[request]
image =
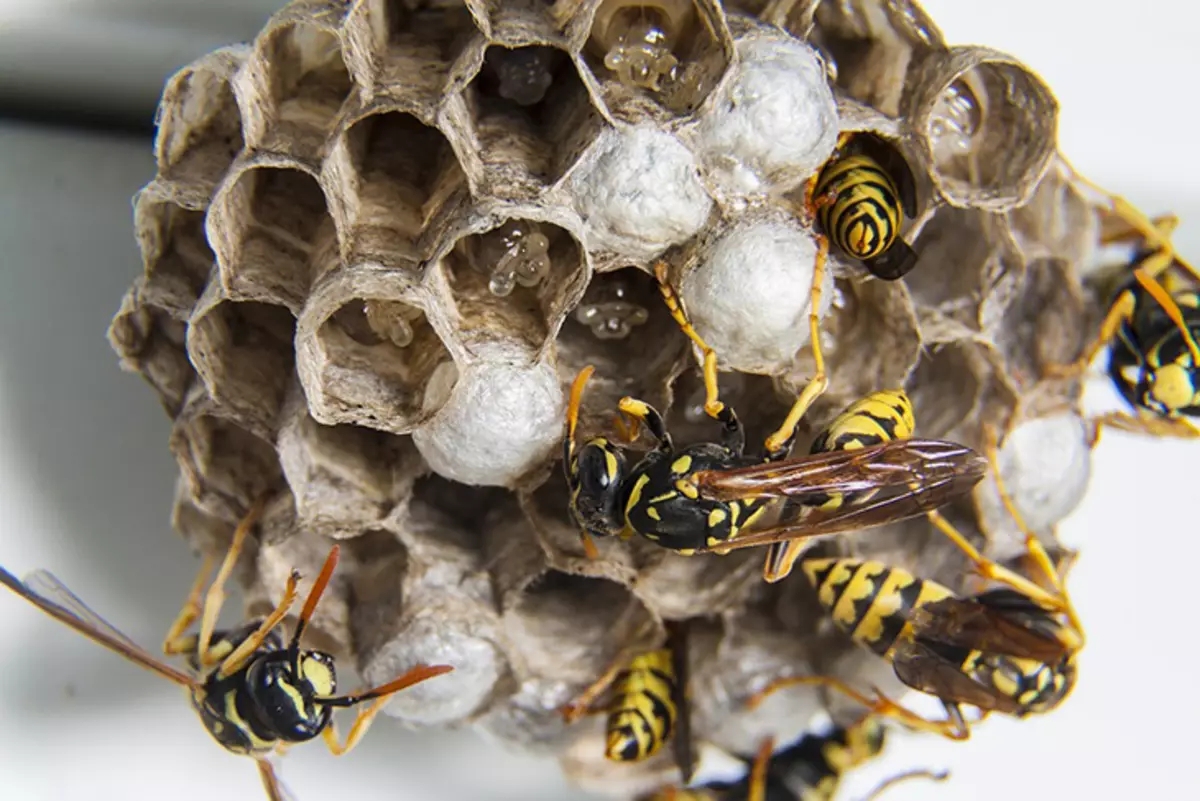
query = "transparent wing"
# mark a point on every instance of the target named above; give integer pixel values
(275, 788)
(50, 595)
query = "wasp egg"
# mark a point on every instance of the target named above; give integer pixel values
(609, 312)
(515, 253)
(750, 297)
(774, 122)
(639, 42)
(639, 192)
(501, 418)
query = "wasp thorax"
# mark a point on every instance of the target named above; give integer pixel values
(610, 312)
(515, 253)
(285, 701)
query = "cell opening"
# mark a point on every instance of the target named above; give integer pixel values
(457, 514)
(407, 170)
(244, 354)
(308, 78)
(176, 255)
(665, 50)
(867, 55)
(417, 45)
(510, 281)
(151, 342)
(380, 356)
(532, 112)
(282, 224)
(226, 467)
(952, 248)
(201, 128)
(944, 389)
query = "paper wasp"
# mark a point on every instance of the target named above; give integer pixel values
(1151, 330)
(649, 704)
(711, 496)
(810, 770)
(1011, 649)
(255, 693)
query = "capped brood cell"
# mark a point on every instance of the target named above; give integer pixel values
(528, 135)
(268, 228)
(512, 280)
(399, 173)
(366, 351)
(670, 52)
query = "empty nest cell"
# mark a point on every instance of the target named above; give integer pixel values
(513, 280)
(152, 342)
(531, 116)
(446, 520)
(670, 52)
(405, 172)
(200, 130)
(407, 45)
(944, 388)
(269, 229)
(175, 254)
(243, 353)
(371, 362)
(305, 81)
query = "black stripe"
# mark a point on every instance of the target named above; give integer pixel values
(894, 623)
(863, 605)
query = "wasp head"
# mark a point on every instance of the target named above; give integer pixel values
(596, 476)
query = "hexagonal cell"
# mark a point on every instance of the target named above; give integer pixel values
(405, 44)
(529, 124)
(869, 45)
(225, 466)
(300, 73)
(446, 521)
(670, 53)
(269, 228)
(608, 329)
(571, 628)
(511, 282)
(944, 388)
(149, 341)
(367, 357)
(558, 535)
(306, 553)
(990, 125)
(243, 354)
(1059, 221)
(175, 254)
(405, 172)
(200, 126)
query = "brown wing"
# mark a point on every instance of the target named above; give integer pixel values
(889, 504)
(897, 463)
(67, 608)
(966, 623)
(681, 743)
(922, 668)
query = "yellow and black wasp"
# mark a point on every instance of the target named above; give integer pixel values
(860, 199)
(865, 471)
(1151, 330)
(255, 693)
(1011, 649)
(649, 704)
(812, 769)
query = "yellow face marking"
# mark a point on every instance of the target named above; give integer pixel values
(610, 464)
(716, 517)
(687, 489)
(681, 465)
(635, 494)
(230, 713)
(653, 514)
(319, 676)
(1171, 385)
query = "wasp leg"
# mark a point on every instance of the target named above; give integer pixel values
(954, 727)
(177, 641)
(757, 785)
(919, 773)
(237, 658)
(1164, 225)
(1120, 311)
(583, 704)
(379, 696)
(270, 782)
(1149, 282)
(712, 401)
(215, 597)
(1148, 424)
(779, 442)
(641, 412)
(362, 722)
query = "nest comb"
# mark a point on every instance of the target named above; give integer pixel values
(385, 235)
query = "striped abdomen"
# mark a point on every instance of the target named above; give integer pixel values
(870, 601)
(643, 712)
(860, 207)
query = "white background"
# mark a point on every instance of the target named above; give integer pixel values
(85, 477)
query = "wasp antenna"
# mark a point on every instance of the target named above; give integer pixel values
(415, 676)
(314, 595)
(576, 398)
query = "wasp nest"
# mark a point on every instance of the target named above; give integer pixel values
(385, 235)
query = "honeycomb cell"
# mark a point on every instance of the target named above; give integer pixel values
(666, 52)
(269, 228)
(306, 552)
(512, 281)
(870, 45)
(200, 126)
(1058, 222)
(175, 254)
(989, 123)
(556, 533)
(526, 146)
(395, 44)
(445, 521)
(302, 81)
(243, 354)
(570, 628)
(682, 587)
(944, 389)
(226, 467)
(151, 342)
(366, 350)
(403, 173)
(202, 531)
(345, 479)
